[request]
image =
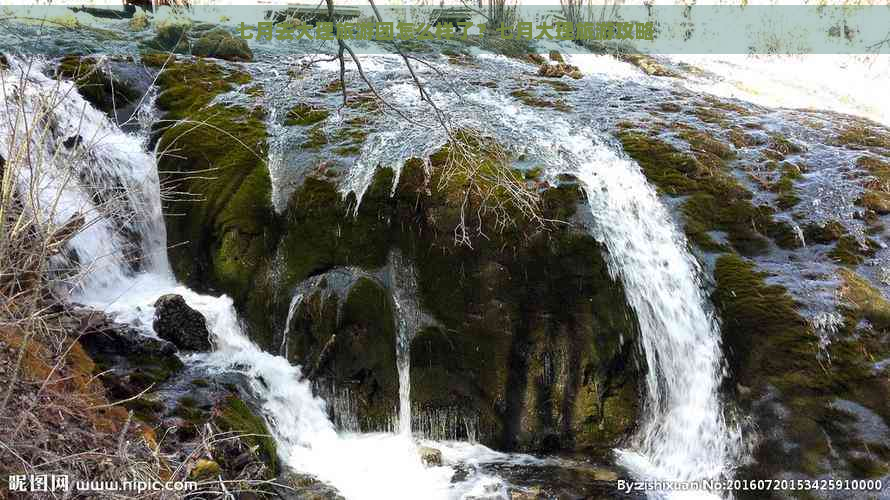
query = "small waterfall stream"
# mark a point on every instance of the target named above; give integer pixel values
(684, 435)
(364, 466)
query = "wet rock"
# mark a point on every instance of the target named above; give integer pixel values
(305, 487)
(73, 141)
(96, 83)
(103, 337)
(221, 44)
(559, 70)
(177, 322)
(430, 457)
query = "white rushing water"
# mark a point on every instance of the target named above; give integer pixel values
(683, 435)
(361, 466)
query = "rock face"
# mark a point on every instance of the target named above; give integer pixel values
(177, 322)
(529, 341)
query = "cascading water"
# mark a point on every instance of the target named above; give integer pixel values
(404, 286)
(369, 466)
(684, 435)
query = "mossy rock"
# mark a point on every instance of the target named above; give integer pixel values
(850, 251)
(773, 351)
(529, 98)
(172, 36)
(233, 415)
(877, 201)
(863, 300)
(351, 345)
(718, 202)
(304, 114)
(221, 44)
(221, 225)
(475, 364)
(862, 134)
(98, 87)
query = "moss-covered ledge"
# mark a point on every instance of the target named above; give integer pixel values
(221, 226)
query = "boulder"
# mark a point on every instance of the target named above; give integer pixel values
(559, 70)
(222, 45)
(102, 337)
(177, 322)
(430, 457)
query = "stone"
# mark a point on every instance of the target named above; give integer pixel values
(177, 322)
(205, 469)
(559, 70)
(222, 45)
(139, 21)
(103, 337)
(430, 457)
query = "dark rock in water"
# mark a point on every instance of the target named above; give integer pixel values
(177, 322)
(131, 362)
(73, 141)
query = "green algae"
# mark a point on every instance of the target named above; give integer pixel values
(527, 97)
(305, 114)
(717, 201)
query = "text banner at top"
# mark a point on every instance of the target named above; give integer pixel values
(656, 29)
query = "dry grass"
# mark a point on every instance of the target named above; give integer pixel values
(477, 171)
(55, 418)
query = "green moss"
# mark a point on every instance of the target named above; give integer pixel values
(741, 139)
(235, 416)
(172, 36)
(304, 114)
(784, 147)
(221, 225)
(718, 202)
(848, 250)
(145, 409)
(877, 201)
(703, 142)
(826, 233)
(771, 348)
(672, 171)
(316, 138)
(861, 135)
(784, 187)
(710, 115)
(530, 99)
(727, 106)
(863, 300)
(99, 88)
(221, 44)
(879, 169)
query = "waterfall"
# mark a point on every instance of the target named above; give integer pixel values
(404, 289)
(67, 176)
(684, 435)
